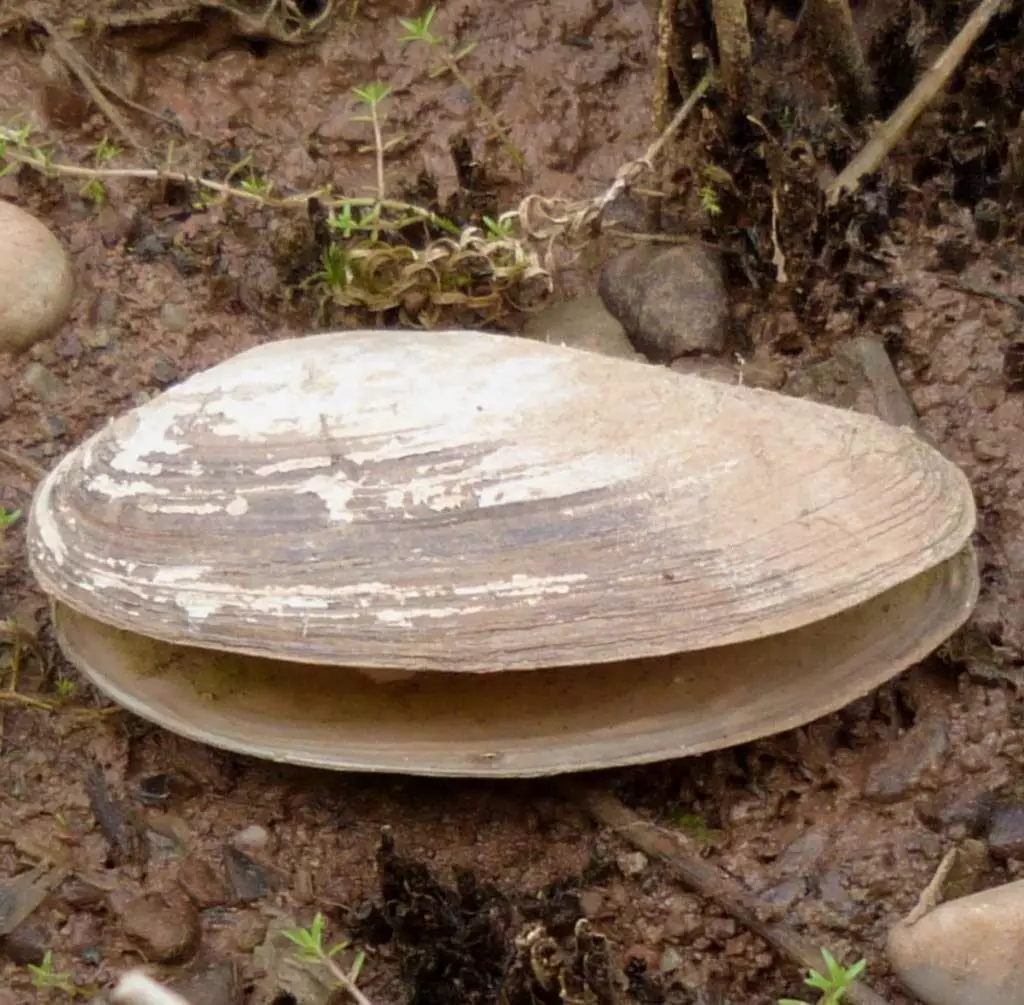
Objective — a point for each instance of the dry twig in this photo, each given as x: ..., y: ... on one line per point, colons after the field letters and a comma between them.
x: 714, y: 884
x: 896, y: 126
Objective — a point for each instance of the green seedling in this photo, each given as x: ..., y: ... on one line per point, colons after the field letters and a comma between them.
x: 258, y: 187
x: 104, y: 152
x: 45, y: 978
x: 311, y: 949
x: 372, y: 95
x: 833, y: 983
x: 709, y: 200
x: 8, y: 517
x: 501, y: 229
x: 697, y: 828
x: 418, y: 30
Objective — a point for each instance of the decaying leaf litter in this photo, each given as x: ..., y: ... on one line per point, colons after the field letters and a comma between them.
x: 837, y: 824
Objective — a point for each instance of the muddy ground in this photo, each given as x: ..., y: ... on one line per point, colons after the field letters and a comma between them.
x: 839, y: 825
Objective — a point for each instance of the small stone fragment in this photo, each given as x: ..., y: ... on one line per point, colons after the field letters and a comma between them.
x: 6, y: 398
x: 582, y: 323
x: 165, y: 929
x: 1013, y: 366
x: 26, y: 944
x: 174, y: 317
x: 969, y: 811
x: 859, y: 376
x: 1006, y: 831
x: 248, y: 931
x: 968, y: 951
x: 918, y: 753
x: 251, y: 840
x: 36, y: 281
x: 47, y: 387
x: 988, y: 219
x: 203, y: 882
x: 591, y: 902
x: 247, y: 878
x: 671, y: 301
x: 632, y: 863
x: 215, y: 985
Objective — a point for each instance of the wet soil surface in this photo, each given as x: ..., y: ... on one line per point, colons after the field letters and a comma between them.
x: 159, y: 849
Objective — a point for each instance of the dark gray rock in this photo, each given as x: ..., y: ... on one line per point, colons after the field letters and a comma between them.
x: 672, y: 301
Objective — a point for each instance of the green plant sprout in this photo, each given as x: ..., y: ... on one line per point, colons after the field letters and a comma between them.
x: 257, y: 186
x: 418, y: 30
x: 501, y: 229
x: 8, y: 517
x: 832, y: 984
x: 709, y: 200
x: 372, y: 95
x: 45, y: 978
x: 104, y: 152
x: 311, y: 949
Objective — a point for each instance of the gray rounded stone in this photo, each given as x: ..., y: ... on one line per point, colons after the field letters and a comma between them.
x: 968, y: 951
x: 36, y: 281
x: 672, y: 301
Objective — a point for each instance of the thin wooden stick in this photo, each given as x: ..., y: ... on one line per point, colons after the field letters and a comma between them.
x: 888, y: 135
x: 714, y: 884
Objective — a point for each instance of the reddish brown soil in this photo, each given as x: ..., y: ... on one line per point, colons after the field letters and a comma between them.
x: 840, y: 824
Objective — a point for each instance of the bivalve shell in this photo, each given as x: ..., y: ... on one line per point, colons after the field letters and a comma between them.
x: 459, y: 501
x: 332, y: 550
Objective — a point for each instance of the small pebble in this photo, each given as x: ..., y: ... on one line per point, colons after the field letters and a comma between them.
x: 1013, y: 366
x: 175, y: 317
x: 247, y: 878
x: 47, y: 387
x: 249, y: 931
x: 165, y: 929
x: 203, y: 882
x: 968, y: 951
x: 215, y: 985
x: 1006, y: 831
x: 671, y: 301
x: 988, y: 219
x: 163, y: 371
x: 671, y: 959
x: 6, y: 397
x: 917, y: 754
x: 252, y: 839
x: 631, y: 863
x: 38, y: 284
x: 104, y: 309
x: 591, y: 902
x: 26, y: 944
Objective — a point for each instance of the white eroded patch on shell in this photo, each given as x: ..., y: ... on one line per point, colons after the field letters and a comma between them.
x: 524, y: 586
x: 405, y: 617
x: 384, y: 602
x: 334, y: 491
x: 151, y: 435
x: 182, y: 509
x: 291, y: 465
x: 173, y: 575
x: 49, y: 534
x: 113, y: 489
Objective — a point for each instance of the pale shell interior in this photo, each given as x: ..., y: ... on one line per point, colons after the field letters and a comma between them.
x: 527, y: 723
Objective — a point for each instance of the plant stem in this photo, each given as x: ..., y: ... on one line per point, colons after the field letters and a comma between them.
x: 492, y: 120
x: 344, y: 980
x: 378, y: 143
